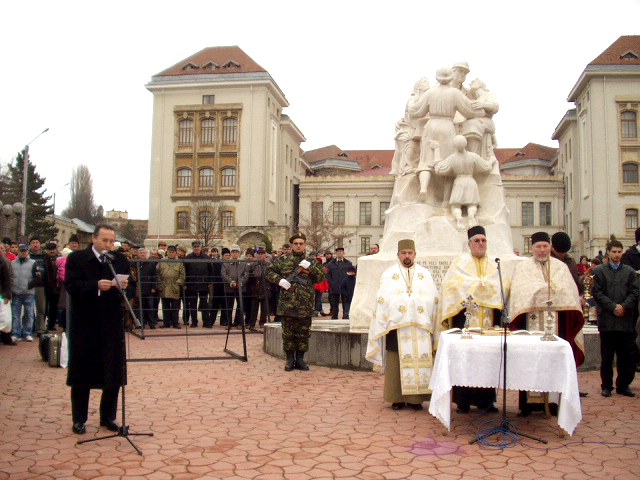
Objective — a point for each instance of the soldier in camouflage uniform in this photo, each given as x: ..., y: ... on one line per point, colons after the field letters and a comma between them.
x: 296, y: 274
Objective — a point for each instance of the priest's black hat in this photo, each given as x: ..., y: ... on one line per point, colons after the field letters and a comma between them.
x: 540, y: 237
x: 477, y: 230
x: 561, y: 242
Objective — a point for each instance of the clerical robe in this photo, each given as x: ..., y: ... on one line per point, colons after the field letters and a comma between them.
x: 406, y: 302
x: 473, y: 277
x: 471, y: 280
x: 532, y: 285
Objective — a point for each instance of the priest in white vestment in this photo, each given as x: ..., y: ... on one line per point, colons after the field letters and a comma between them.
x: 471, y: 288
x: 401, y: 330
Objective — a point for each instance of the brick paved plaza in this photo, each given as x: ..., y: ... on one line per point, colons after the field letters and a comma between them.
x: 234, y: 420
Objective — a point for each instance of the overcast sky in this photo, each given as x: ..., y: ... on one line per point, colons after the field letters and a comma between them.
x: 347, y: 69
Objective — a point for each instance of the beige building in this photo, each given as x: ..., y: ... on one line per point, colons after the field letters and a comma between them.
x: 599, y: 153
x: 348, y: 191
x: 225, y: 159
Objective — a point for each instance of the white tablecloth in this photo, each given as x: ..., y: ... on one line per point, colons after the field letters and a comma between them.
x: 532, y: 365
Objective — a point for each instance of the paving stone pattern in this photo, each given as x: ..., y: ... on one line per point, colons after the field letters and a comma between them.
x: 227, y: 419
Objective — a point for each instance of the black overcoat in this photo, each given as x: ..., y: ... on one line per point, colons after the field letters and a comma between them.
x: 96, y: 329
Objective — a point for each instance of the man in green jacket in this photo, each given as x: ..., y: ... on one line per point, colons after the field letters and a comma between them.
x: 171, y: 276
x: 296, y: 274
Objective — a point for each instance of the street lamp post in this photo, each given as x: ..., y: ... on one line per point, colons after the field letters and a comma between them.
x: 54, y: 202
x: 7, y: 211
x: 25, y: 173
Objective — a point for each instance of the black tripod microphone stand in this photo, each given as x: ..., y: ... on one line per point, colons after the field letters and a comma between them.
x: 505, y: 427
x: 124, y: 429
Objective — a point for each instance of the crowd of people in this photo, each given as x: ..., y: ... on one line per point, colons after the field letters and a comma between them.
x: 161, y: 288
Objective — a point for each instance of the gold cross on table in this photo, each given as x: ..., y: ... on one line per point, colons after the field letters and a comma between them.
x: 470, y: 305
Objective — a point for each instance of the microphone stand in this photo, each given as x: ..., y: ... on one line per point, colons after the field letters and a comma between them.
x: 124, y: 428
x: 505, y: 425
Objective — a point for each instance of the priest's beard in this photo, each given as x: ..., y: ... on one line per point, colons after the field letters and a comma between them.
x: 541, y: 260
x: 407, y: 262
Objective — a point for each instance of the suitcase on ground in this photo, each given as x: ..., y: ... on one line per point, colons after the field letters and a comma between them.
x: 54, y: 351
x: 43, y: 346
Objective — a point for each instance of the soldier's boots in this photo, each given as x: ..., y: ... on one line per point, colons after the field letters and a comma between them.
x: 291, y: 361
x: 300, y: 363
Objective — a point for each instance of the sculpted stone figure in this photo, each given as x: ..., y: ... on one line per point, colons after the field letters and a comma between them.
x: 440, y: 104
x: 407, y: 153
x: 465, y: 192
x: 480, y: 131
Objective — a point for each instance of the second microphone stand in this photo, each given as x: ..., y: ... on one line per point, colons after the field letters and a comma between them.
x: 505, y: 427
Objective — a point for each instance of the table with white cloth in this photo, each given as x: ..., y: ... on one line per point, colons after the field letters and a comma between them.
x: 532, y: 365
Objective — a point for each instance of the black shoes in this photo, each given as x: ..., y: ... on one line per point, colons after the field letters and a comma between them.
x: 625, y: 391
x: 491, y: 409
x: 164, y: 326
x: 463, y: 409
x: 397, y: 406
x: 415, y: 406
x: 291, y: 361
x: 584, y: 394
x: 605, y: 392
x: 300, y: 363
x: 79, y: 428
x: 110, y: 425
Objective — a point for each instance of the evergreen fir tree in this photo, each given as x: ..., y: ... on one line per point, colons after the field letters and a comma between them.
x: 37, y: 203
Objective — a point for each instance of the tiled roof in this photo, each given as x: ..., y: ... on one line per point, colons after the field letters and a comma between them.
x: 323, y: 153
x: 369, y: 158
x: 530, y: 151
x: 627, y: 46
x: 215, y: 60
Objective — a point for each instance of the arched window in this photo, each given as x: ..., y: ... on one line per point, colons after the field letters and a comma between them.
x: 183, y: 221
x: 230, y: 131
x: 184, y: 178
x: 227, y: 219
x: 630, y: 173
x: 631, y: 218
x: 206, y: 177
x: 629, y: 124
x: 186, y: 132
x: 229, y: 177
x: 208, y: 131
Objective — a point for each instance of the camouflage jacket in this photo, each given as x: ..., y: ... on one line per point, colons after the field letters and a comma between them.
x: 299, y: 300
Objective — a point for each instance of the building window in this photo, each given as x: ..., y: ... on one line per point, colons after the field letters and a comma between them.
x: 629, y: 173
x: 629, y: 125
x: 527, y: 213
x: 230, y: 131
x: 527, y: 245
x: 227, y: 219
x: 184, y: 178
x: 204, y: 221
x: 338, y: 213
x: 208, y: 99
x: 206, y: 177
x: 183, y: 221
x: 316, y: 213
x: 229, y: 177
x: 365, y: 245
x: 186, y: 132
x: 365, y: 213
x: 208, y: 131
x: 631, y: 218
x: 545, y: 214
x: 384, y: 206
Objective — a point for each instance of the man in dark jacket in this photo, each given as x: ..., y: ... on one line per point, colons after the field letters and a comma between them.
x: 234, y: 277
x: 96, y: 329
x: 632, y: 258
x: 615, y: 291
x: 51, y: 289
x: 199, y: 277
x: 148, y: 289
x: 217, y: 297
x: 6, y: 273
x: 337, y: 274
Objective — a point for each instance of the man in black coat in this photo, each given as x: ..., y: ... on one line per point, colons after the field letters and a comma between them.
x: 96, y: 329
x: 337, y: 274
x: 615, y: 291
x: 199, y: 278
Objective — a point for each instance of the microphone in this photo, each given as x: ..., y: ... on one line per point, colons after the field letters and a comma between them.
x: 108, y: 254
x: 497, y: 261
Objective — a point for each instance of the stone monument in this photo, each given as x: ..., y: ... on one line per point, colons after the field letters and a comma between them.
x: 447, y: 179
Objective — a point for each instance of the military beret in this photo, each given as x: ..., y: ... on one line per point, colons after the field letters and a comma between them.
x: 296, y: 236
